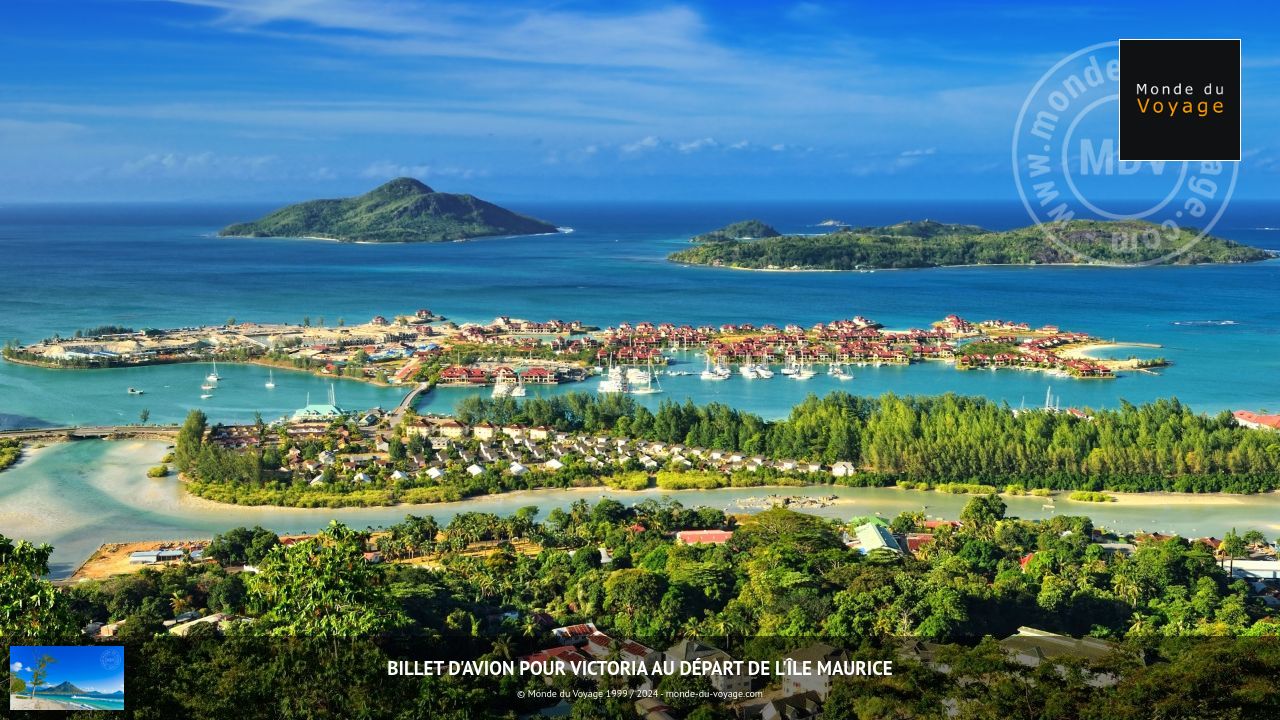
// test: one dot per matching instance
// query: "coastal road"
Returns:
(162, 432)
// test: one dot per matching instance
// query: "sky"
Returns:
(82, 666)
(216, 100)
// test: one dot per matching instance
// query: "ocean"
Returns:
(71, 267)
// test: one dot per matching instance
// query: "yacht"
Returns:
(802, 373)
(615, 382)
(135, 391)
(271, 380)
(636, 376)
(213, 375)
(763, 372)
(837, 372)
(501, 388)
(206, 396)
(208, 386)
(719, 372)
(648, 386)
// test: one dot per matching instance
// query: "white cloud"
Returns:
(644, 144)
(696, 145)
(16, 667)
(740, 145)
(918, 152)
(385, 170)
(779, 147)
(185, 165)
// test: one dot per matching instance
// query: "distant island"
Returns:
(402, 210)
(923, 244)
(745, 230)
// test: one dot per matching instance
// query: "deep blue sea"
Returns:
(70, 267)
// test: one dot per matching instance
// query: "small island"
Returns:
(927, 243)
(403, 210)
(744, 230)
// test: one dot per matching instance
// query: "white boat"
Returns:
(213, 375)
(837, 372)
(790, 368)
(135, 391)
(748, 370)
(518, 389)
(802, 373)
(648, 386)
(208, 386)
(271, 380)
(615, 382)
(636, 376)
(763, 372)
(501, 388)
(206, 396)
(719, 372)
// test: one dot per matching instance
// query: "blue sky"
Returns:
(80, 666)
(286, 99)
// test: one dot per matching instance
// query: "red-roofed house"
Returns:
(703, 537)
(1257, 421)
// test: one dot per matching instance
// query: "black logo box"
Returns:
(1209, 132)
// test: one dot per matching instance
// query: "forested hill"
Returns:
(932, 244)
(403, 210)
(744, 230)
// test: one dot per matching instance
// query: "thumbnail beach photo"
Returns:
(59, 677)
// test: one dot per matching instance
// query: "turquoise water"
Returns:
(75, 267)
(86, 397)
(95, 703)
(79, 495)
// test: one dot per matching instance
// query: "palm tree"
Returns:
(179, 603)
(502, 647)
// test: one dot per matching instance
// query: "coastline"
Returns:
(21, 702)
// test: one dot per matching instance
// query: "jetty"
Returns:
(94, 432)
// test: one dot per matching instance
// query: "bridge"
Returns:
(409, 399)
(95, 432)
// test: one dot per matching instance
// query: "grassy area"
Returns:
(1090, 496)
(10, 451)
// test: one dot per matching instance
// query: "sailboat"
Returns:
(717, 373)
(802, 372)
(837, 372)
(213, 375)
(271, 380)
(649, 385)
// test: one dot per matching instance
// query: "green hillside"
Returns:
(933, 244)
(403, 210)
(744, 230)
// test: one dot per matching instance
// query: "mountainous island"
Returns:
(62, 688)
(922, 244)
(402, 210)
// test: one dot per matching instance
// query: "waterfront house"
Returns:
(517, 469)
(553, 465)
(483, 430)
(474, 470)
(815, 682)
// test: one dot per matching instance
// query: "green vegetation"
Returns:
(932, 244)
(10, 451)
(744, 230)
(402, 210)
(1090, 496)
(986, 347)
(318, 616)
(1135, 448)
(158, 471)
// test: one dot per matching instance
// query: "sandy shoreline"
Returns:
(25, 702)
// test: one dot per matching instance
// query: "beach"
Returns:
(25, 702)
